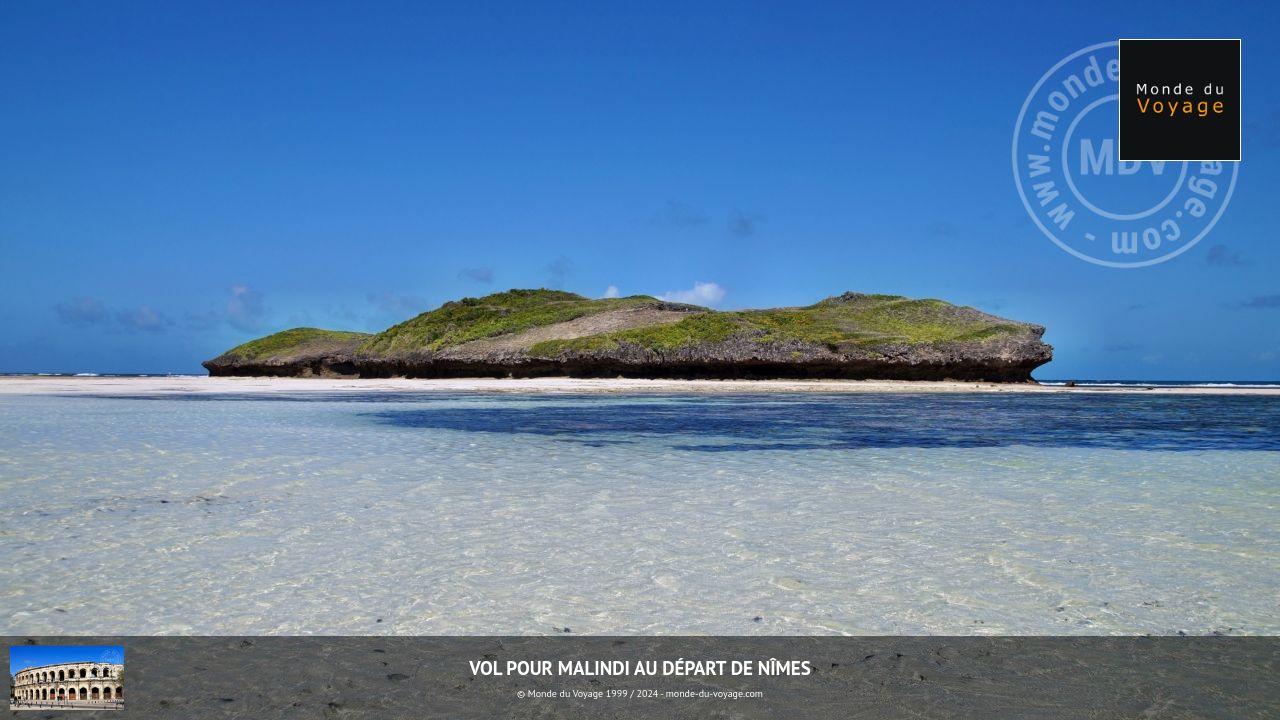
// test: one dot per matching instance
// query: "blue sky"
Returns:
(22, 657)
(180, 177)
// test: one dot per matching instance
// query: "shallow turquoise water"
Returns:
(780, 514)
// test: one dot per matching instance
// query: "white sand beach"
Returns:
(55, 385)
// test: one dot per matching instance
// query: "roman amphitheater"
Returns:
(75, 683)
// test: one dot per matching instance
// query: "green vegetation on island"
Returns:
(295, 341)
(461, 321)
(835, 323)
(552, 332)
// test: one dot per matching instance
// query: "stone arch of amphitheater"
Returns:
(70, 682)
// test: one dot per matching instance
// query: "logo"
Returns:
(1180, 100)
(1103, 210)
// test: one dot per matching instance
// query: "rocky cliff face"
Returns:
(529, 333)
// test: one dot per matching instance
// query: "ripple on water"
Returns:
(863, 515)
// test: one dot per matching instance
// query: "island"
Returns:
(538, 333)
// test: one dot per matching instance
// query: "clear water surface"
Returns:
(772, 514)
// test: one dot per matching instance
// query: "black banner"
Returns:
(693, 677)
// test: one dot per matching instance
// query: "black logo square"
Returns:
(1179, 99)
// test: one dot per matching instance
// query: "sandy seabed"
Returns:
(477, 506)
(36, 385)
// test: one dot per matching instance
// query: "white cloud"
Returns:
(612, 292)
(702, 293)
